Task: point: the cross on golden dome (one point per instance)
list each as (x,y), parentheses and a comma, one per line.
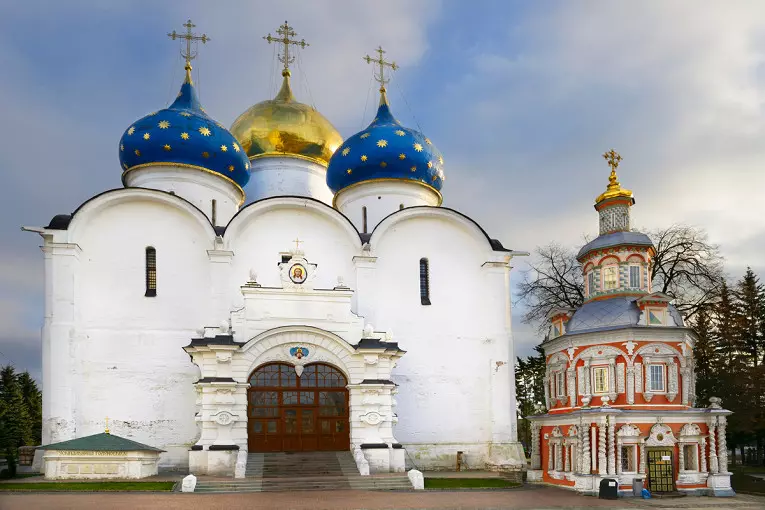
(613,189)
(380,61)
(189,37)
(285,32)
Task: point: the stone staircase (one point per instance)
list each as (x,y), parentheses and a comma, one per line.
(304,471)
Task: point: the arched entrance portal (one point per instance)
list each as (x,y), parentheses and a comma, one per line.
(290,413)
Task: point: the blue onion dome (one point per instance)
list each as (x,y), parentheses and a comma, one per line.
(183,135)
(386,150)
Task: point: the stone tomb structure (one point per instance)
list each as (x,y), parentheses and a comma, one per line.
(100,457)
(619,381)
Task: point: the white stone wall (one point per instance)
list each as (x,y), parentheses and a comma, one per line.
(381,198)
(110,351)
(277,176)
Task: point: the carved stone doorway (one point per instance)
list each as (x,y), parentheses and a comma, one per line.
(291,412)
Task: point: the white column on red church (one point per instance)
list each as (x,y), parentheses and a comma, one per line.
(536,460)
(602,459)
(643,457)
(618,455)
(703,454)
(567,463)
(550,456)
(594,447)
(585,461)
(559,456)
(631,385)
(611,445)
(713,466)
(681,458)
(722,446)
(685,373)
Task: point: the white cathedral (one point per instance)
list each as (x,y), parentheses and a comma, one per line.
(341,309)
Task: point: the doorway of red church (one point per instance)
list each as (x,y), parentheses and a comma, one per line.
(290,413)
(661,475)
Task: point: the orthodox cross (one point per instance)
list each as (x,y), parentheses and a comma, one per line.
(613,158)
(284,33)
(380,61)
(188,54)
(297,242)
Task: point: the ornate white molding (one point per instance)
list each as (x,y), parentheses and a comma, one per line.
(661,435)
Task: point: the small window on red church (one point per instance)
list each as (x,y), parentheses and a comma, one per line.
(600,379)
(656,378)
(635,277)
(560,384)
(151,272)
(610,277)
(591,283)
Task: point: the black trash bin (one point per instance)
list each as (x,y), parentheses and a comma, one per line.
(609,489)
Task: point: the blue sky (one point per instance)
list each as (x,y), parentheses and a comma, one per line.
(521,97)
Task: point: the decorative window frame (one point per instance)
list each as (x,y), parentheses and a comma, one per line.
(690,435)
(556,367)
(639,275)
(595,368)
(628,435)
(664,377)
(596,356)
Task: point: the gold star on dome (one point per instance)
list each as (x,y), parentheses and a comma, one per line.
(363,157)
(417,147)
(122,147)
(236,147)
(205,154)
(441,160)
(152,114)
(349,171)
(402,156)
(427,140)
(430,164)
(131,130)
(382,143)
(247,165)
(163,124)
(400,132)
(185,136)
(383,164)
(146,136)
(137,152)
(223,148)
(365,135)
(166,147)
(185,114)
(346,151)
(204,131)
(230,168)
(434,178)
(124,165)
(413,169)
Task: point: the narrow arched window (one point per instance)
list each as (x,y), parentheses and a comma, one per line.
(151,272)
(424,281)
(214,212)
(364,218)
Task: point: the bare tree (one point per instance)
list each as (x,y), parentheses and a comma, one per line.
(686,267)
(554,280)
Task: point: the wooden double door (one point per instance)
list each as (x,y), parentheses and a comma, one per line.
(290,413)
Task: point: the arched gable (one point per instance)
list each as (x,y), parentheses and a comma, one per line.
(95,205)
(243,216)
(636,257)
(605,259)
(456,217)
(599,352)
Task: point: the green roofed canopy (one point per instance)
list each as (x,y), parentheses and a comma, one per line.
(102,442)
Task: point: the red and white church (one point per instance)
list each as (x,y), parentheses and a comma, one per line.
(619,379)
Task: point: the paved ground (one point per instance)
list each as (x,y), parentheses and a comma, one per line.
(527,498)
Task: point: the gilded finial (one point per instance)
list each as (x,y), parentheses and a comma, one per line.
(285,32)
(106,427)
(188,54)
(613,189)
(380,76)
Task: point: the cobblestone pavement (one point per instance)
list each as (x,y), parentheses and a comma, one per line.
(527,498)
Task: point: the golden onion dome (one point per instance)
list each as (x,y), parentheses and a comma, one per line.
(284,127)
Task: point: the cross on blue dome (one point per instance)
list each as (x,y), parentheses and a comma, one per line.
(183,135)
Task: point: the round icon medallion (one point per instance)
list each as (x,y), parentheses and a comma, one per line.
(298,273)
